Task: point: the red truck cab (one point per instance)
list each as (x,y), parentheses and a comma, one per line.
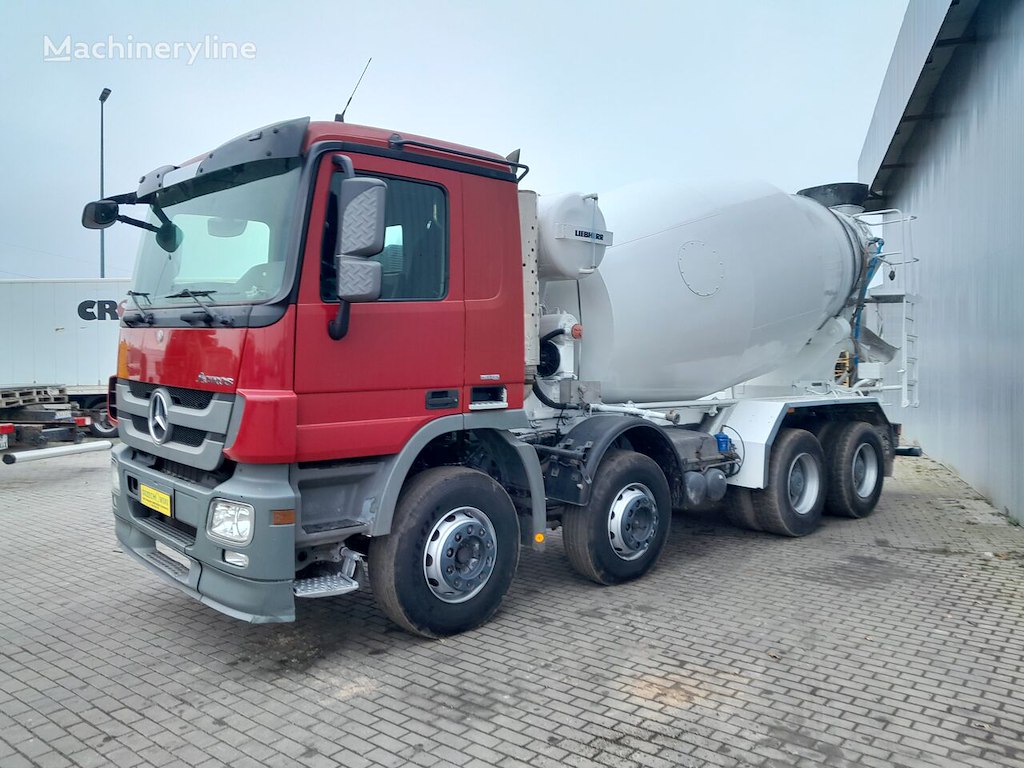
(256,443)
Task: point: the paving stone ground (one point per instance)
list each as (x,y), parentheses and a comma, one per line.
(891,641)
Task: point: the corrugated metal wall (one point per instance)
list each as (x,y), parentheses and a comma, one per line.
(965,183)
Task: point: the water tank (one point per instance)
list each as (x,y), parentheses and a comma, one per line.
(705,289)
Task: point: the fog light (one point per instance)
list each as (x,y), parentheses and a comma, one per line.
(236,558)
(230,521)
(115,478)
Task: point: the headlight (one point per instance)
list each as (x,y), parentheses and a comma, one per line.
(230,521)
(115,478)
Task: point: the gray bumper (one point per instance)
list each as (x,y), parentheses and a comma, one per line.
(193,562)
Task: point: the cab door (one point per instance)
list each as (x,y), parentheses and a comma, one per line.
(401,363)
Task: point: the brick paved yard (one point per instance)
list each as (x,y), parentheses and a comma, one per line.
(896,640)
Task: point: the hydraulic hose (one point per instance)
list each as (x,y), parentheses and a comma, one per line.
(536,384)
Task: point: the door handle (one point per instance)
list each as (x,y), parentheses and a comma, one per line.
(441,399)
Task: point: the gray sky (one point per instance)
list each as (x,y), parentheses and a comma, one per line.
(597,94)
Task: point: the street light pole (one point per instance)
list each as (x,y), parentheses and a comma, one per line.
(104,95)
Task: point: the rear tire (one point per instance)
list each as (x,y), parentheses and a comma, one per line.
(791,504)
(856,470)
(451,554)
(739,508)
(619,534)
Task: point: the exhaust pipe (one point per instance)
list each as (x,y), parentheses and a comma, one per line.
(50,453)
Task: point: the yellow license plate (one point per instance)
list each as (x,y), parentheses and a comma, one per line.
(155,499)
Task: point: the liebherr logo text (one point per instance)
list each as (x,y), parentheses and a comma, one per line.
(590,235)
(223,381)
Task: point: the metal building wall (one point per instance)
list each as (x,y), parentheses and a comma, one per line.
(914,42)
(964,180)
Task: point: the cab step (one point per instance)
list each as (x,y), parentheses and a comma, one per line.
(325,586)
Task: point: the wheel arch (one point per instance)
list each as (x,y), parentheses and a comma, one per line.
(757,423)
(815,419)
(433,445)
(596,436)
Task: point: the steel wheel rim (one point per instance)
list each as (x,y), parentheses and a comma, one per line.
(803,483)
(865,470)
(459,555)
(632,521)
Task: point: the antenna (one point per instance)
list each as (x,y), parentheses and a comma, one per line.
(341,118)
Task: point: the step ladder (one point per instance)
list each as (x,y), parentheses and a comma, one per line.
(896,256)
(909,397)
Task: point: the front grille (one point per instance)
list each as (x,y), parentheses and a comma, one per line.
(194,475)
(173,529)
(196,399)
(182,435)
(198,421)
(189,436)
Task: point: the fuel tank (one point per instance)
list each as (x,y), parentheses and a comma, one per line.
(704,289)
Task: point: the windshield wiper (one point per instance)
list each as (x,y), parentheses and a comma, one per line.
(208,314)
(142,316)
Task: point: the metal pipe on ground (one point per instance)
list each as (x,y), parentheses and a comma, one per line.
(61,450)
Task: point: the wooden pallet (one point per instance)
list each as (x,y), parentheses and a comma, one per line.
(13,397)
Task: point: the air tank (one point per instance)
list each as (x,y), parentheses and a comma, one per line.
(701,290)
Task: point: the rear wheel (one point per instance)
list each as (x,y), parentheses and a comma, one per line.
(621,531)
(855,463)
(791,503)
(739,508)
(451,554)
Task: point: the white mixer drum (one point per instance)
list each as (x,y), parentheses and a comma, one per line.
(705,289)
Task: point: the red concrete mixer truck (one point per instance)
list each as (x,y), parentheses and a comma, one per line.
(352,353)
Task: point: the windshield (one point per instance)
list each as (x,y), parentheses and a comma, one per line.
(234,228)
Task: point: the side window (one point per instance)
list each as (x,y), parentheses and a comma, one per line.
(414,261)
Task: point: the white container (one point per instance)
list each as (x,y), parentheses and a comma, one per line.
(61,332)
(703,290)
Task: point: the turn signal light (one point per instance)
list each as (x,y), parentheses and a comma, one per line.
(282,517)
(577,331)
(122,359)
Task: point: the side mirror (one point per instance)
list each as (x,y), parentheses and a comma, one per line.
(361,217)
(169,237)
(99,214)
(360,234)
(358,279)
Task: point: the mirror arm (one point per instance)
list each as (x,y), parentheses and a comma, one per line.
(137,223)
(338,327)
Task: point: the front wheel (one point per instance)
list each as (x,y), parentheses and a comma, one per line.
(791,503)
(451,553)
(621,531)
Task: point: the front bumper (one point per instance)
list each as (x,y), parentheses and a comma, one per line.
(189,559)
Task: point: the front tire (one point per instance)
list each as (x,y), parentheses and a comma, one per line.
(791,504)
(451,554)
(619,534)
(856,471)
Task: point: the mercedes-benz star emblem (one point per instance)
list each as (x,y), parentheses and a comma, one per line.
(159,423)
